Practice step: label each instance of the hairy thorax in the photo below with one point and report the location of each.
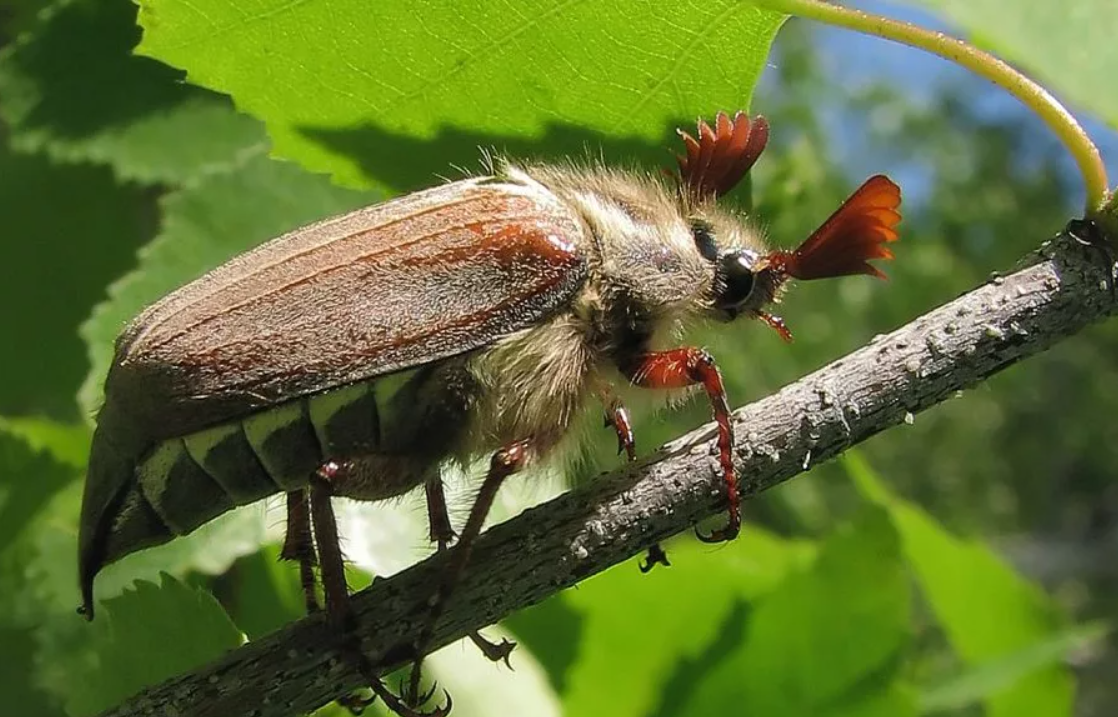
(530, 386)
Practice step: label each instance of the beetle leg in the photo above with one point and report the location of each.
(332, 564)
(617, 417)
(438, 517)
(339, 612)
(299, 545)
(505, 462)
(493, 652)
(443, 534)
(679, 368)
(655, 556)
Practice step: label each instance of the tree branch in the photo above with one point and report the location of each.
(587, 530)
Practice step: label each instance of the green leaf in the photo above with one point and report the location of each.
(18, 15)
(983, 681)
(17, 677)
(636, 628)
(1068, 47)
(205, 224)
(987, 611)
(43, 639)
(552, 631)
(66, 232)
(826, 641)
(390, 91)
(29, 477)
(261, 592)
(148, 634)
(66, 443)
(73, 88)
(896, 700)
(49, 577)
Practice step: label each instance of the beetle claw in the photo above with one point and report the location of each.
(655, 556)
(402, 709)
(354, 704)
(492, 651)
(426, 697)
(720, 535)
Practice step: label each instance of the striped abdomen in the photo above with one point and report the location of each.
(191, 480)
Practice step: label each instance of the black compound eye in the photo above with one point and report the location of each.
(704, 239)
(735, 278)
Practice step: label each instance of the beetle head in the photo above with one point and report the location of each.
(745, 279)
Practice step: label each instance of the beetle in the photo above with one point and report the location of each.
(355, 356)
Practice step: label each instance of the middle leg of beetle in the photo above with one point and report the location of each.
(505, 462)
(617, 417)
(442, 534)
(679, 368)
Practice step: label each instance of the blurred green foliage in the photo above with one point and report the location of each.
(118, 182)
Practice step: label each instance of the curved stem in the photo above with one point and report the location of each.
(1038, 99)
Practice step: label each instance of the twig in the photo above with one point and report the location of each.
(587, 530)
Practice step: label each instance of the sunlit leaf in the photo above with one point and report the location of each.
(29, 477)
(398, 91)
(67, 443)
(1068, 46)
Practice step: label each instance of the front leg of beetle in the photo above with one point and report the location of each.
(617, 418)
(679, 368)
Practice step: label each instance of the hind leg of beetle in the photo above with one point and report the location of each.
(505, 462)
(617, 417)
(442, 534)
(298, 545)
(339, 612)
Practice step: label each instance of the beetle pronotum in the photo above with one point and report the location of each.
(355, 356)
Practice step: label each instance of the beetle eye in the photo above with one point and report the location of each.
(704, 239)
(736, 279)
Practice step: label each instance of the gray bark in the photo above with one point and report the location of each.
(587, 530)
